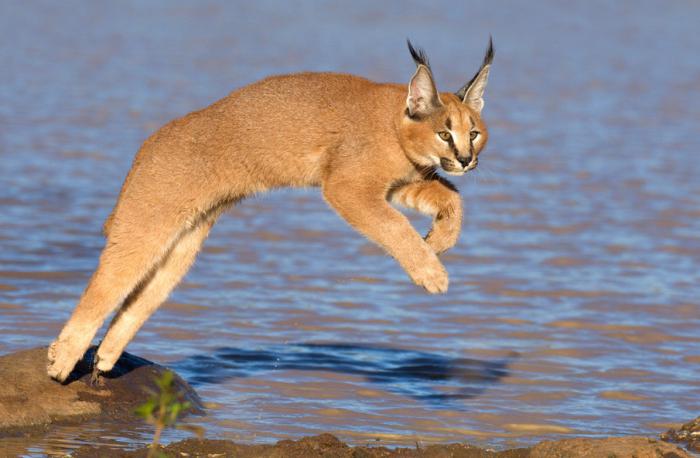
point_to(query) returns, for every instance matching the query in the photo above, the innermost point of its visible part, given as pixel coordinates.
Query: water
(573, 305)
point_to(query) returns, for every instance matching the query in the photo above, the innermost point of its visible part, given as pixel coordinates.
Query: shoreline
(327, 445)
(30, 402)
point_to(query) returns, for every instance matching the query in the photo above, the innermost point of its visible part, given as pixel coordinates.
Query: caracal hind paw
(96, 378)
(61, 361)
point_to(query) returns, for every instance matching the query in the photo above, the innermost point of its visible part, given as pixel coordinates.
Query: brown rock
(617, 447)
(689, 434)
(29, 399)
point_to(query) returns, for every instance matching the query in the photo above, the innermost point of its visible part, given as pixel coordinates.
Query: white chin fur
(453, 173)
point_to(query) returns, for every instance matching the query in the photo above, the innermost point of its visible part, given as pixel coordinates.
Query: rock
(617, 447)
(689, 434)
(29, 399)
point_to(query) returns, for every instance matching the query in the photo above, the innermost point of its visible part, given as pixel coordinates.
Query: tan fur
(348, 135)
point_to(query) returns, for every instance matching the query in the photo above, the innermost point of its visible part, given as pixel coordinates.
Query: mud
(30, 401)
(328, 446)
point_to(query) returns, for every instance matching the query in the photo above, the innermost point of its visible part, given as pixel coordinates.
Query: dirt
(611, 447)
(30, 401)
(324, 445)
(327, 445)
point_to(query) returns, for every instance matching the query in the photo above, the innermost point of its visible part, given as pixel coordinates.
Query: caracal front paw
(433, 277)
(62, 356)
(441, 239)
(445, 232)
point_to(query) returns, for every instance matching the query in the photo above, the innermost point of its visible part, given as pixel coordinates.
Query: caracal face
(443, 129)
(451, 138)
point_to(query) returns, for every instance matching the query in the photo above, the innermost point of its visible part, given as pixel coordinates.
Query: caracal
(366, 144)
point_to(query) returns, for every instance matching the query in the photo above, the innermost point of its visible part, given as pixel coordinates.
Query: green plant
(162, 410)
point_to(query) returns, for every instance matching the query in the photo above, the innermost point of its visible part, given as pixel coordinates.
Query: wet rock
(29, 399)
(617, 447)
(688, 434)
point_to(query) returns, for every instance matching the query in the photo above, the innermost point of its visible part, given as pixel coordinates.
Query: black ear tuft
(488, 59)
(419, 56)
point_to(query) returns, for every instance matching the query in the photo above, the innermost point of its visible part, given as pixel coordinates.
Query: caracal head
(444, 129)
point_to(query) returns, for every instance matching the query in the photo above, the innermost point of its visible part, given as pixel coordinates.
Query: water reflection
(404, 372)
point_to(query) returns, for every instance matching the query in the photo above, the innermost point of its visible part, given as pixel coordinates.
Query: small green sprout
(162, 410)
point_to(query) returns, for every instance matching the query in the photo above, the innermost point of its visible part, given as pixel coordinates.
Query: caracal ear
(472, 93)
(423, 97)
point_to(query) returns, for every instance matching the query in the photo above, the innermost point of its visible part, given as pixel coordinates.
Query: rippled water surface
(573, 306)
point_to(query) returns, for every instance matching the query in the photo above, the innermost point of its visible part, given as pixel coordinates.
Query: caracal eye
(445, 136)
(473, 134)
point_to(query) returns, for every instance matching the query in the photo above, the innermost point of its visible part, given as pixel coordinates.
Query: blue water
(573, 304)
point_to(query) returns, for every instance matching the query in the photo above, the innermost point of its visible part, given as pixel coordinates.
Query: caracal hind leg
(146, 300)
(127, 259)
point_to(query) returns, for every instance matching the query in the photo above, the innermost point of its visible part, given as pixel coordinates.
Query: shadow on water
(420, 375)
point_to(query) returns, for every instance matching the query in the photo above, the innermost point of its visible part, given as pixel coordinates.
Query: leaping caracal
(365, 144)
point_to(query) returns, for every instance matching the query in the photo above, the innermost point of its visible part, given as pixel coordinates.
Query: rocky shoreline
(327, 445)
(30, 402)
(688, 434)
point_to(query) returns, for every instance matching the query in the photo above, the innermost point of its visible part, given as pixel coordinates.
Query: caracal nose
(464, 160)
